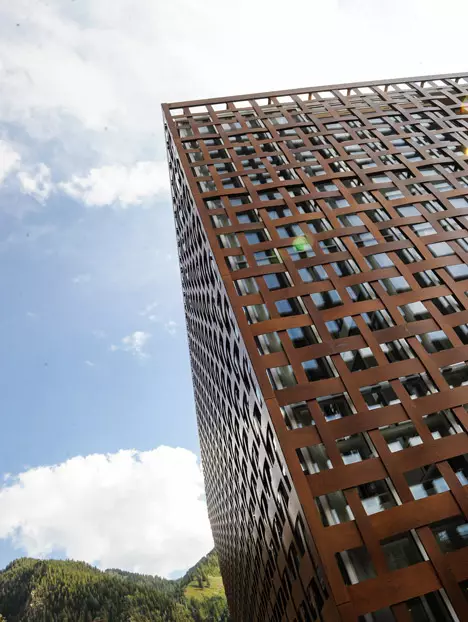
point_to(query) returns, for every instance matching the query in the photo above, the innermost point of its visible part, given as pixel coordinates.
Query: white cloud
(134, 343)
(38, 184)
(94, 72)
(141, 511)
(171, 327)
(81, 278)
(89, 363)
(9, 160)
(149, 312)
(119, 185)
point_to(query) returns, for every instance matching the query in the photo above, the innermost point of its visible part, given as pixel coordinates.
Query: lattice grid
(336, 218)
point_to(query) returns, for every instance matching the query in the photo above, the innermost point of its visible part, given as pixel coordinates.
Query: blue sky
(96, 395)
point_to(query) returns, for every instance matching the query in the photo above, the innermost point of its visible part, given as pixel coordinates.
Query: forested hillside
(34, 590)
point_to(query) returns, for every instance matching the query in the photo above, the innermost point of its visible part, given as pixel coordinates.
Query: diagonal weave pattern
(323, 252)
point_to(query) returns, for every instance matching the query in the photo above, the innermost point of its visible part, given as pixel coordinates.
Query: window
(327, 299)
(288, 307)
(378, 215)
(228, 240)
(303, 336)
(441, 249)
(409, 255)
(334, 508)
(361, 291)
(265, 258)
(401, 435)
(363, 239)
(345, 267)
(379, 260)
(313, 274)
(256, 313)
(407, 211)
(458, 272)
(355, 565)
(269, 343)
(239, 199)
(427, 278)
(426, 481)
(282, 377)
(401, 551)
(237, 262)
(354, 448)
(220, 220)
(279, 212)
(451, 534)
(350, 220)
(247, 286)
(343, 327)
(256, 237)
(376, 320)
(277, 280)
(460, 468)
(336, 406)
(395, 285)
(442, 423)
(447, 304)
(318, 225)
(297, 416)
(414, 311)
(289, 231)
(332, 245)
(314, 459)
(423, 228)
(428, 608)
(462, 333)
(247, 217)
(376, 497)
(359, 360)
(382, 615)
(301, 249)
(418, 385)
(397, 350)
(435, 341)
(319, 369)
(379, 395)
(455, 375)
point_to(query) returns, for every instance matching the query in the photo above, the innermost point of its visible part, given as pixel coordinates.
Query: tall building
(323, 249)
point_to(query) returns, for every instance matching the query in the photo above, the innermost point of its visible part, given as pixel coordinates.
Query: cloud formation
(38, 184)
(134, 343)
(119, 185)
(141, 511)
(9, 160)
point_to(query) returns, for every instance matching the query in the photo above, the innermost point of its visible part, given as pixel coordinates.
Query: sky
(99, 456)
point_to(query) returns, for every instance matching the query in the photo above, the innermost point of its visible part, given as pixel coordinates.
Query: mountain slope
(34, 590)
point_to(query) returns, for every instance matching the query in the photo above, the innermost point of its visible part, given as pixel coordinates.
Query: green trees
(34, 590)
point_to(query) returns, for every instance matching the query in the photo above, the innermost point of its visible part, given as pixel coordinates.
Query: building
(323, 250)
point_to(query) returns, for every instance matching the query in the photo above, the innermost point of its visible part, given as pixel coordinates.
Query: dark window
(451, 534)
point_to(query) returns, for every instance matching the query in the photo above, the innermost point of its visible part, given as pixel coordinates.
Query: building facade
(323, 250)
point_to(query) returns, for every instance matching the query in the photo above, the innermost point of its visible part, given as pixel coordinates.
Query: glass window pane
(401, 551)
(336, 406)
(451, 534)
(400, 436)
(334, 508)
(426, 481)
(297, 415)
(314, 459)
(354, 448)
(376, 497)
(355, 565)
